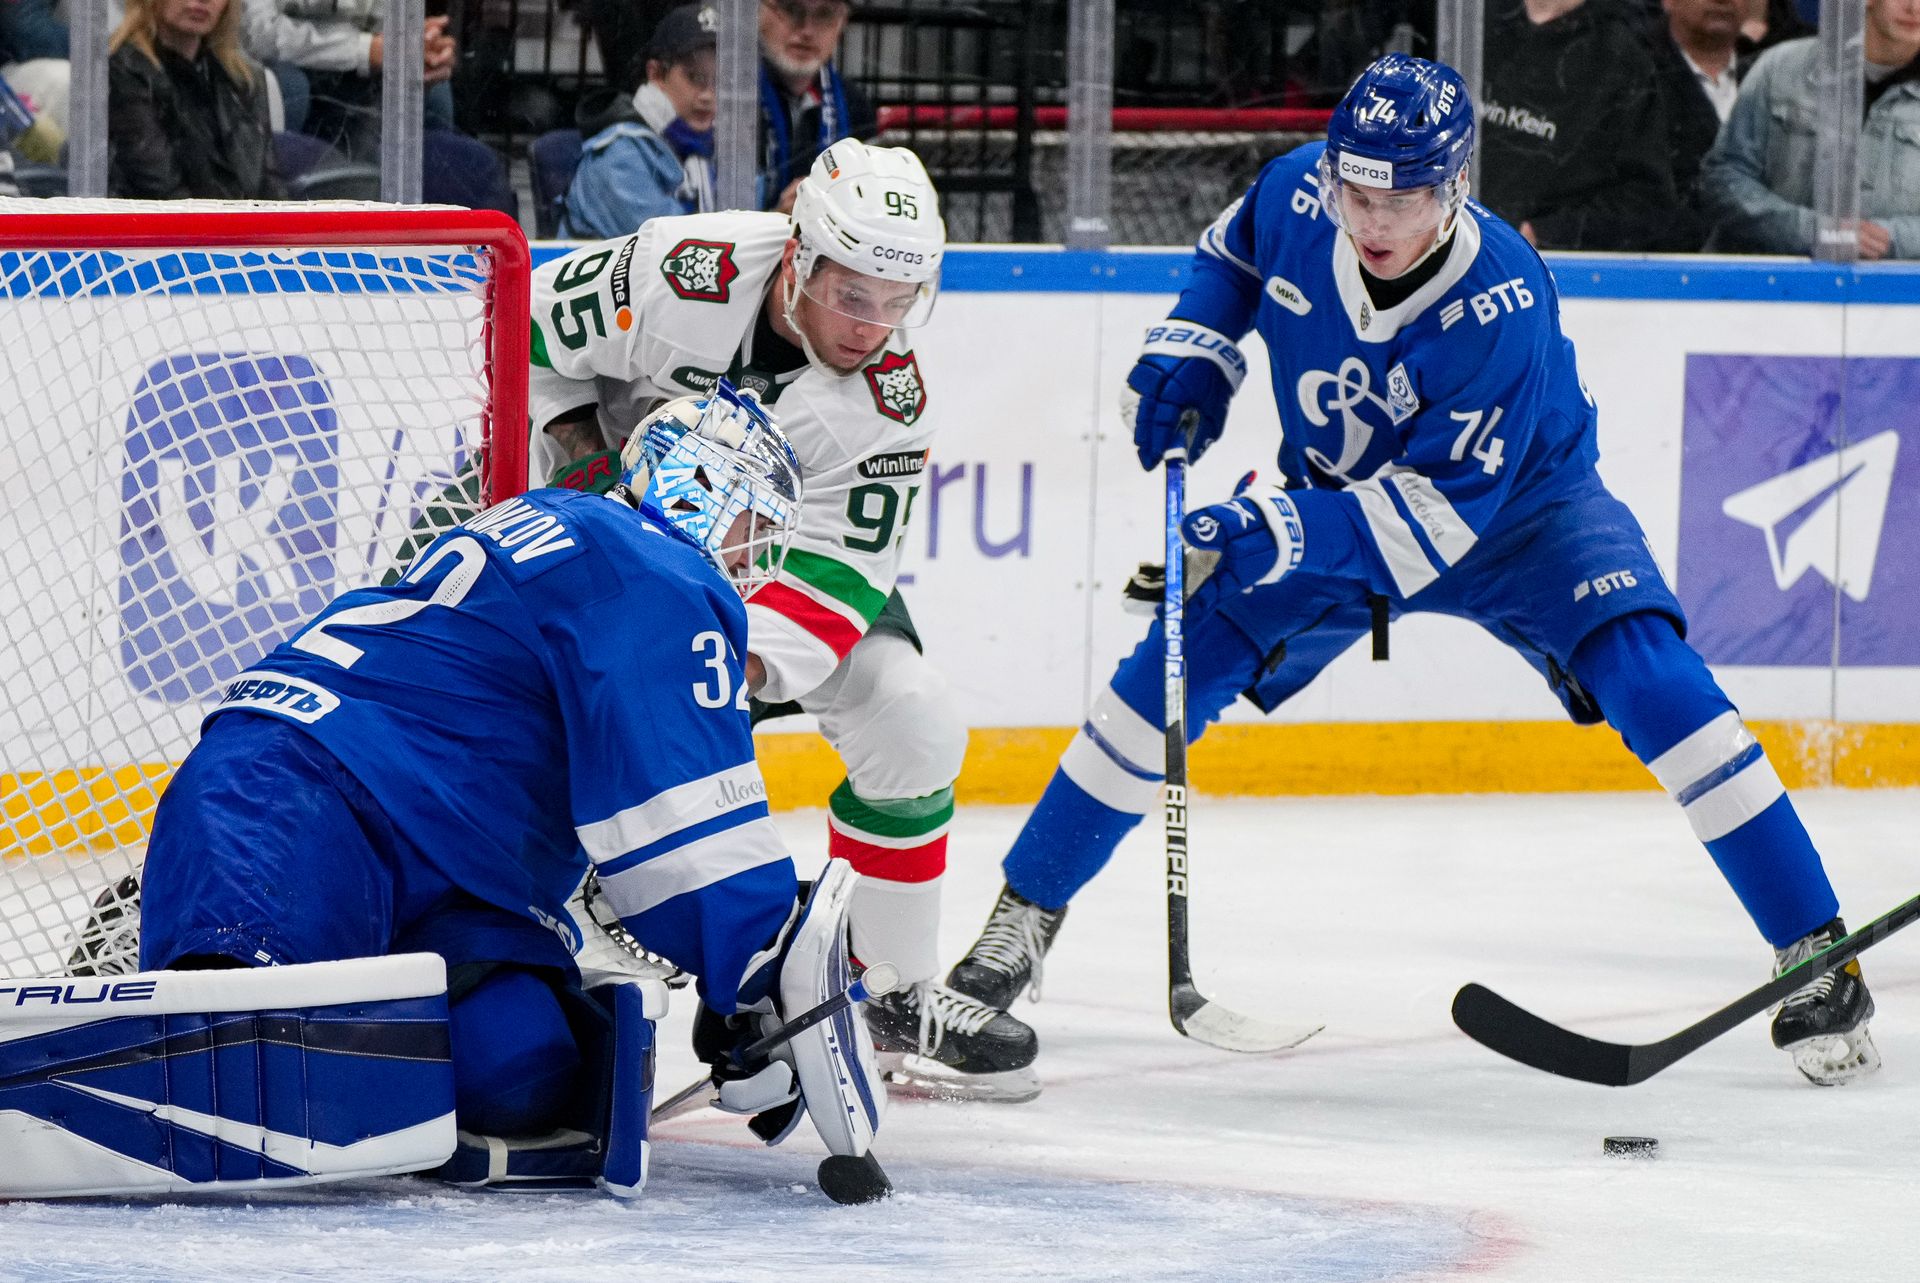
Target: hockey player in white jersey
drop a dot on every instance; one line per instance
(429, 768)
(1438, 455)
(814, 314)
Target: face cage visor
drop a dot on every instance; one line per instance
(870, 300)
(704, 488)
(1384, 214)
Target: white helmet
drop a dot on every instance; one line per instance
(700, 462)
(872, 210)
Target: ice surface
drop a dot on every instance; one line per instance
(1388, 1147)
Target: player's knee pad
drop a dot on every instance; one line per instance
(514, 1056)
(833, 1061)
(602, 1138)
(1118, 758)
(166, 1082)
(893, 719)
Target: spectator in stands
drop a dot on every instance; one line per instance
(328, 54)
(1757, 182)
(650, 152)
(33, 61)
(1574, 133)
(804, 103)
(1766, 23)
(1696, 53)
(186, 108)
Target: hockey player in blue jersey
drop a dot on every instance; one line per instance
(1439, 455)
(429, 768)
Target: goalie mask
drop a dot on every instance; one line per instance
(871, 211)
(719, 470)
(1395, 166)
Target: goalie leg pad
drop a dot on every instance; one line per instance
(169, 1082)
(605, 1143)
(515, 1058)
(834, 1060)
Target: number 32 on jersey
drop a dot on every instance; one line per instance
(716, 690)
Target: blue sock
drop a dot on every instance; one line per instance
(1656, 691)
(1066, 841)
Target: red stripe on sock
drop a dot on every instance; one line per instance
(913, 864)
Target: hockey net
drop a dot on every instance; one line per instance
(218, 418)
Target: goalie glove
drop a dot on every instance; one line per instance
(1177, 392)
(765, 1090)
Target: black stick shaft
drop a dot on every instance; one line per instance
(1173, 634)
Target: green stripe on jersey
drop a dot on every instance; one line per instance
(539, 354)
(906, 817)
(837, 580)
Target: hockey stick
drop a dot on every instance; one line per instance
(1518, 1034)
(881, 977)
(1192, 1013)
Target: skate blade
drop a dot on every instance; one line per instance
(1835, 1061)
(911, 1077)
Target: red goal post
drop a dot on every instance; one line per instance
(217, 418)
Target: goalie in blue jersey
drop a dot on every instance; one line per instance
(429, 768)
(1439, 455)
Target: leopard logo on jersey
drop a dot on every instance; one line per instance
(701, 271)
(897, 390)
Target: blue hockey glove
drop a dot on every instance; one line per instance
(1249, 541)
(1180, 386)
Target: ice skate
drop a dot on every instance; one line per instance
(936, 1042)
(1005, 961)
(1823, 1025)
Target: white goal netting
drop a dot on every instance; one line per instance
(210, 430)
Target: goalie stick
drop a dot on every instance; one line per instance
(1192, 1012)
(1518, 1034)
(880, 978)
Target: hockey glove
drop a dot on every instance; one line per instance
(764, 1089)
(1177, 392)
(1245, 543)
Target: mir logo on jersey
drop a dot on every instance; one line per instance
(1793, 479)
(230, 493)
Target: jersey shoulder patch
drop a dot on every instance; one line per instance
(700, 271)
(898, 390)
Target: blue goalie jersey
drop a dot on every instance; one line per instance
(558, 680)
(1432, 424)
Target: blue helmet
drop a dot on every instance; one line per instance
(1406, 122)
(700, 462)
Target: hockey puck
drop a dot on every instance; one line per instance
(1629, 1146)
(846, 1179)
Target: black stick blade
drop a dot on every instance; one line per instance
(1518, 1034)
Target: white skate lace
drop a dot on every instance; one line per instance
(943, 1009)
(1795, 954)
(1014, 937)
